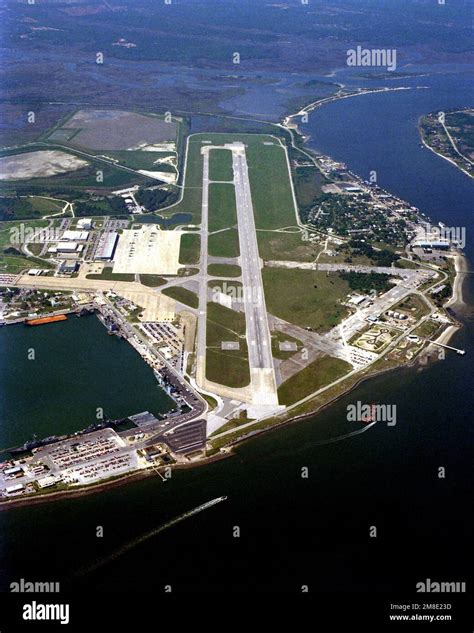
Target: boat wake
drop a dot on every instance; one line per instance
(339, 438)
(148, 535)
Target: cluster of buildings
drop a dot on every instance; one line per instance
(382, 203)
(169, 340)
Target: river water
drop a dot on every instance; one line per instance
(295, 530)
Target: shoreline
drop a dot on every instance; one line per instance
(338, 97)
(450, 160)
(138, 475)
(457, 298)
(461, 268)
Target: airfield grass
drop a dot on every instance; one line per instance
(192, 193)
(139, 159)
(231, 288)
(222, 207)
(229, 368)
(223, 324)
(224, 244)
(285, 246)
(153, 281)
(268, 174)
(189, 250)
(281, 337)
(183, 295)
(13, 263)
(220, 165)
(226, 367)
(306, 298)
(224, 270)
(270, 184)
(319, 373)
(108, 275)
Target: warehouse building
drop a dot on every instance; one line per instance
(76, 236)
(107, 245)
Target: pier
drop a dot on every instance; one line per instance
(454, 349)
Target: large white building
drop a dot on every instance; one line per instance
(76, 236)
(84, 224)
(107, 245)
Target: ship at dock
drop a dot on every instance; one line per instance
(47, 319)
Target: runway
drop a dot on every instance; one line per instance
(258, 333)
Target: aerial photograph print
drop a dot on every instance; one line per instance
(236, 316)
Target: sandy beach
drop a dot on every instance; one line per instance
(461, 266)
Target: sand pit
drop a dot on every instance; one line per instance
(165, 176)
(39, 164)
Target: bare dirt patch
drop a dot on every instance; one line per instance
(38, 164)
(118, 130)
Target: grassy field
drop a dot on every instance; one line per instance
(183, 295)
(281, 337)
(285, 246)
(46, 205)
(404, 263)
(192, 195)
(319, 373)
(414, 305)
(189, 249)
(231, 288)
(426, 329)
(11, 258)
(226, 367)
(270, 184)
(268, 173)
(139, 159)
(223, 324)
(152, 280)
(224, 244)
(224, 270)
(220, 165)
(305, 297)
(222, 209)
(308, 183)
(108, 275)
(28, 207)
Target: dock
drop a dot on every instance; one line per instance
(454, 349)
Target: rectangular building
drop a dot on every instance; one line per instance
(77, 236)
(107, 245)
